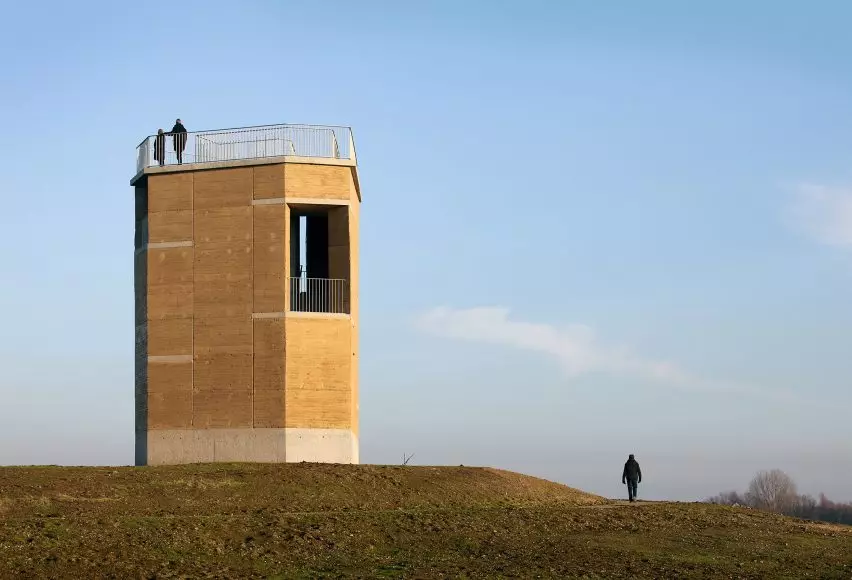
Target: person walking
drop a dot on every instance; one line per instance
(160, 147)
(632, 476)
(178, 133)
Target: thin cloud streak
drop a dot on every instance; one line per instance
(575, 347)
(822, 213)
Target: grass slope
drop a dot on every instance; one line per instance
(332, 521)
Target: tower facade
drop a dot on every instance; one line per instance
(246, 293)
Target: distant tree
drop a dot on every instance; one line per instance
(804, 507)
(728, 498)
(773, 491)
(829, 511)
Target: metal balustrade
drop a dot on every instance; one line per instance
(329, 295)
(245, 143)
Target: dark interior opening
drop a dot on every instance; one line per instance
(319, 259)
(316, 246)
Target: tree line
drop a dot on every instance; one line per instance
(775, 491)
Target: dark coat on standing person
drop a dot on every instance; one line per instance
(179, 136)
(631, 471)
(160, 147)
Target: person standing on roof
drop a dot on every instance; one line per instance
(178, 133)
(632, 476)
(160, 147)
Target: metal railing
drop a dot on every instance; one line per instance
(245, 143)
(329, 295)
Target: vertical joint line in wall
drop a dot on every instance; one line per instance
(192, 364)
(253, 282)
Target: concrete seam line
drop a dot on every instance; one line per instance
(174, 358)
(317, 315)
(316, 201)
(273, 160)
(161, 245)
(270, 201)
(267, 314)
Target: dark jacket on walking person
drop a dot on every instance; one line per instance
(631, 476)
(160, 147)
(178, 133)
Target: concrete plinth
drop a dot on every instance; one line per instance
(174, 446)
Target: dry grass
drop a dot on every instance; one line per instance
(204, 483)
(326, 521)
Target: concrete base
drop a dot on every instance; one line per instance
(172, 446)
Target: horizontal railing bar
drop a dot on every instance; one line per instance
(254, 127)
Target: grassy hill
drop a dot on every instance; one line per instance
(327, 521)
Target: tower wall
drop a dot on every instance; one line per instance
(224, 370)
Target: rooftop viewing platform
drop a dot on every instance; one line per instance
(245, 143)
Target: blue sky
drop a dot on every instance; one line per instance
(588, 229)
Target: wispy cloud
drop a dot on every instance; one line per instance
(823, 213)
(575, 347)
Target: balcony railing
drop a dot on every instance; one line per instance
(246, 143)
(326, 295)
